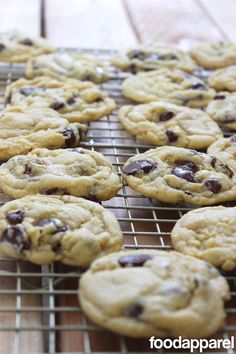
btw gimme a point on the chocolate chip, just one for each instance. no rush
(166, 116)
(2, 47)
(27, 170)
(51, 191)
(172, 137)
(219, 97)
(134, 310)
(198, 86)
(16, 236)
(15, 217)
(71, 100)
(139, 166)
(134, 260)
(213, 161)
(27, 41)
(233, 139)
(56, 224)
(92, 198)
(213, 185)
(57, 105)
(99, 99)
(70, 137)
(185, 170)
(226, 170)
(136, 54)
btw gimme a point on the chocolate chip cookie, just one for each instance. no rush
(72, 65)
(215, 55)
(172, 175)
(77, 101)
(149, 292)
(17, 47)
(174, 86)
(208, 234)
(162, 123)
(76, 171)
(225, 150)
(223, 79)
(223, 110)
(44, 229)
(24, 129)
(153, 57)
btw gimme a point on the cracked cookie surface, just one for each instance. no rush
(174, 86)
(38, 128)
(162, 123)
(215, 55)
(44, 229)
(68, 65)
(17, 47)
(171, 174)
(208, 234)
(148, 292)
(225, 150)
(153, 57)
(78, 172)
(77, 101)
(222, 109)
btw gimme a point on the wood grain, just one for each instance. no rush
(23, 15)
(88, 24)
(176, 21)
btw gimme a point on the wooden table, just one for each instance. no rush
(101, 24)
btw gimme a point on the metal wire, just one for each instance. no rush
(53, 290)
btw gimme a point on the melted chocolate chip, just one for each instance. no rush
(15, 217)
(233, 139)
(27, 170)
(213, 185)
(219, 97)
(27, 41)
(226, 170)
(213, 161)
(16, 236)
(144, 166)
(99, 99)
(185, 170)
(134, 310)
(56, 224)
(71, 100)
(57, 105)
(172, 137)
(70, 137)
(2, 47)
(134, 260)
(166, 116)
(198, 86)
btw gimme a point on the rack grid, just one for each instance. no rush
(39, 309)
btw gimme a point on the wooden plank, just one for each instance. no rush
(20, 14)
(223, 14)
(179, 21)
(88, 24)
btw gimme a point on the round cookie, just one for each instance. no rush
(222, 109)
(23, 129)
(171, 85)
(77, 101)
(171, 174)
(225, 150)
(208, 234)
(215, 55)
(67, 65)
(223, 79)
(45, 229)
(154, 293)
(162, 123)
(78, 172)
(153, 57)
(17, 47)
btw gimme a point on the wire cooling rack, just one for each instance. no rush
(39, 310)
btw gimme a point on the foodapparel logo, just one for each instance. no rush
(192, 344)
